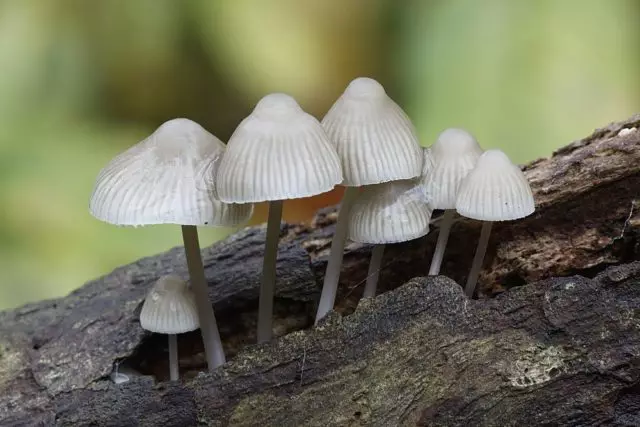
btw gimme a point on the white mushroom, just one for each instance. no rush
(496, 190)
(392, 212)
(278, 152)
(167, 179)
(454, 154)
(377, 143)
(170, 308)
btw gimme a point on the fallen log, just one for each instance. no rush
(561, 350)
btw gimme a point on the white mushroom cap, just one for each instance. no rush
(374, 138)
(395, 211)
(454, 154)
(278, 152)
(496, 190)
(166, 179)
(428, 164)
(170, 307)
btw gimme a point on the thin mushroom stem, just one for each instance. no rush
(267, 287)
(332, 273)
(441, 245)
(208, 326)
(476, 265)
(374, 271)
(173, 357)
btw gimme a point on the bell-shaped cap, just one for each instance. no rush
(455, 153)
(395, 211)
(166, 179)
(278, 152)
(374, 138)
(496, 190)
(170, 307)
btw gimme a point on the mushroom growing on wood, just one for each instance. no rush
(495, 190)
(166, 179)
(170, 308)
(392, 212)
(454, 154)
(278, 152)
(377, 143)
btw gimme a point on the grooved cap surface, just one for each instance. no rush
(391, 212)
(428, 164)
(496, 190)
(278, 152)
(170, 307)
(455, 153)
(374, 138)
(166, 179)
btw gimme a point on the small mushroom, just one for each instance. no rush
(167, 179)
(454, 154)
(392, 212)
(495, 190)
(170, 308)
(377, 143)
(278, 152)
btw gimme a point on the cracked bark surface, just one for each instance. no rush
(562, 350)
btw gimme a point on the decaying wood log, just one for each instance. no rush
(561, 350)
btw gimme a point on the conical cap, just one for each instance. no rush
(374, 138)
(395, 211)
(496, 190)
(455, 154)
(170, 307)
(166, 179)
(278, 152)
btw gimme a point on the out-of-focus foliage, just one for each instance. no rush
(82, 80)
(525, 76)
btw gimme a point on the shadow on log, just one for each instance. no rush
(561, 350)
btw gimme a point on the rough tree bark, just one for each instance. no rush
(562, 350)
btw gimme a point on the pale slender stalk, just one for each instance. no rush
(373, 274)
(208, 326)
(441, 245)
(332, 273)
(476, 265)
(174, 372)
(268, 284)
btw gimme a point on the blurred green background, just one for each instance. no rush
(81, 80)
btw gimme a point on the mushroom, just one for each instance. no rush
(278, 152)
(170, 308)
(454, 154)
(427, 165)
(392, 212)
(495, 190)
(377, 143)
(166, 179)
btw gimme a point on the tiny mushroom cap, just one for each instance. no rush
(170, 307)
(454, 155)
(496, 190)
(374, 138)
(395, 211)
(166, 179)
(278, 152)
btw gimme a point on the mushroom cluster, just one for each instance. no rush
(182, 174)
